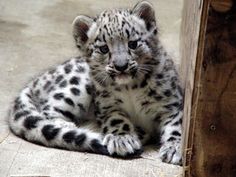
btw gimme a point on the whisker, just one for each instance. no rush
(146, 67)
(101, 78)
(104, 79)
(144, 70)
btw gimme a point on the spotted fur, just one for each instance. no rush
(124, 77)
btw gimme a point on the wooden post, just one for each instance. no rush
(210, 97)
(190, 47)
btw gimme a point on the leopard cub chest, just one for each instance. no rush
(140, 108)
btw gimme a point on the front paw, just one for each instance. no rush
(123, 145)
(171, 152)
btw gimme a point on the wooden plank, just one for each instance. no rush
(190, 37)
(190, 27)
(214, 138)
(209, 106)
(221, 6)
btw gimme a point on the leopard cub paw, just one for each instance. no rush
(171, 152)
(123, 145)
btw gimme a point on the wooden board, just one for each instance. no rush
(189, 49)
(212, 99)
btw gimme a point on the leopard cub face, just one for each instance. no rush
(118, 44)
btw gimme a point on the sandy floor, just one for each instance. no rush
(35, 35)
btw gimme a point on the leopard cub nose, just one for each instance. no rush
(121, 67)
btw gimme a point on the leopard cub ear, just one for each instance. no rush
(145, 11)
(81, 26)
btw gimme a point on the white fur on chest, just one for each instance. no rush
(132, 106)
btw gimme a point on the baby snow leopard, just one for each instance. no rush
(121, 93)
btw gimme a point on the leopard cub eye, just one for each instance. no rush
(133, 44)
(104, 49)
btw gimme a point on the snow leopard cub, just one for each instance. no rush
(124, 73)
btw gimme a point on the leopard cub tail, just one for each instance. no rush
(27, 122)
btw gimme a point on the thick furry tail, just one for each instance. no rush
(27, 122)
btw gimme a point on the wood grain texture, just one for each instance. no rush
(222, 6)
(214, 148)
(190, 27)
(213, 102)
(190, 37)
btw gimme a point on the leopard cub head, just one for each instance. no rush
(119, 44)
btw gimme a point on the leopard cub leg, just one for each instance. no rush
(171, 133)
(120, 137)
